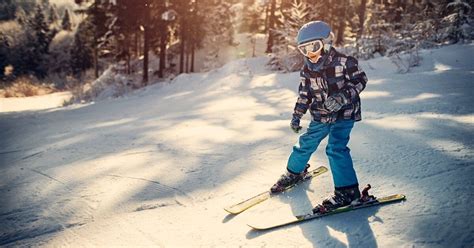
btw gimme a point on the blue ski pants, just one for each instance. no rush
(338, 153)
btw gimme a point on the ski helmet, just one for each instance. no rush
(315, 30)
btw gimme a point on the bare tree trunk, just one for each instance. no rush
(342, 24)
(182, 44)
(254, 44)
(145, 54)
(96, 60)
(267, 9)
(129, 71)
(128, 59)
(271, 26)
(96, 55)
(145, 43)
(187, 61)
(164, 38)
(181, 55)
(192, 56)
(193, 33)
(136, 44)
(401, 9)
(362, 9)
(361, 14)
(96, 49)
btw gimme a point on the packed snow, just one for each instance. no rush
(16, 104)
(157, 166)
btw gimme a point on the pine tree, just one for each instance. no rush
(41, 29)
(53, 15)
(182, 7)
(20, 16)
(119, 32)
(251, 20)
(82, 50)
(325, 11)
(97, 19)
(197, 31)
(457, 21)
(27, 5)
(146, 37)
(271, 25)
(405, 37)
(361, 17)
(285, 56)
(7, 10)
(66, 21)
(59, 55)
(39, 38)
(4, 49)
(218, 29)
(298, 15)
(378, 33)
(339, 24)
(428, 23)
(44, 4)
(163, 20)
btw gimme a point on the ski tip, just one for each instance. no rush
(392, 198)
(256, 227)
(231, 211)
(399, 196)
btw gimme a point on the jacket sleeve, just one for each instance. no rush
(356, 80)
(304, 96)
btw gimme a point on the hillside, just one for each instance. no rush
(157, 166)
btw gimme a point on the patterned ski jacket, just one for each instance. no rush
(339, 74)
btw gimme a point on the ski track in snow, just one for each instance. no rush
(157, 167)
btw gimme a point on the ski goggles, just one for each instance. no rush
(312, 46)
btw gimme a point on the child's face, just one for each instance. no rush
(314, 56)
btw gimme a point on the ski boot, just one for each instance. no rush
(287, 180)
(342, 197)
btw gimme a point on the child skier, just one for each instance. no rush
(330, 84)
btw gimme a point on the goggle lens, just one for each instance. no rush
(313, 46)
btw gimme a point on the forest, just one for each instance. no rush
(68, 45)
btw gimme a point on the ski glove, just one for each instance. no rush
(295, 124)
(334, 103)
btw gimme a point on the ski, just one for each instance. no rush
(310, 216)
(244, 205)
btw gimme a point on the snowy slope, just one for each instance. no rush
(15, 104)
(157, 167)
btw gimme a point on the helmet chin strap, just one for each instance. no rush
(327, 47)
(327, 43)
(315, 60)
